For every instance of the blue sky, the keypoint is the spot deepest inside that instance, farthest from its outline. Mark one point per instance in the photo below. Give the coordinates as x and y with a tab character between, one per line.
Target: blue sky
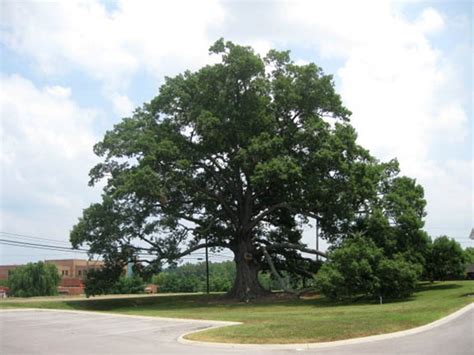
69	71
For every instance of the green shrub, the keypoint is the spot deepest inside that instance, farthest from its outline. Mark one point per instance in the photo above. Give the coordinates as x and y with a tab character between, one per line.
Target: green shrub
397	277
358	268
350	270
128	285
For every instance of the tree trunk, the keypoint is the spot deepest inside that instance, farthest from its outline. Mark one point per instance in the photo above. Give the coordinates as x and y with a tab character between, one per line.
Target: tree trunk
246	284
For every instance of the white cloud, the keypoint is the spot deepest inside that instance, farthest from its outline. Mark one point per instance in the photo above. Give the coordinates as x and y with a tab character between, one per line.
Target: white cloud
160	38
123	106
110	46
46	152
430	21
59	91
451	122
449	191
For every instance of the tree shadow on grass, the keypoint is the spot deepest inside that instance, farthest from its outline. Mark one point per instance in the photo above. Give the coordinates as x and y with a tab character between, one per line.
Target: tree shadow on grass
168	302
183	302
433	286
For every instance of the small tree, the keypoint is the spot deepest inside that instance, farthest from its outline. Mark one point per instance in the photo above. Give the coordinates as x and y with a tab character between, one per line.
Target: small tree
100	283
350	270
359	268
34	279
128	285
397	277
445	260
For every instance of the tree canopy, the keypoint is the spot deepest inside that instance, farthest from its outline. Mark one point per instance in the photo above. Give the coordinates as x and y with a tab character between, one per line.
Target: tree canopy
240	155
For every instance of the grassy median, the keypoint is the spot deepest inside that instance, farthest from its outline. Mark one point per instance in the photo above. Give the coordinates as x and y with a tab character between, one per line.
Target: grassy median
286	321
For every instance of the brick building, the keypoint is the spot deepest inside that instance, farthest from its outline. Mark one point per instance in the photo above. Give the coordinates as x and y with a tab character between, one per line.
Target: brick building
72	272
5	271
74	268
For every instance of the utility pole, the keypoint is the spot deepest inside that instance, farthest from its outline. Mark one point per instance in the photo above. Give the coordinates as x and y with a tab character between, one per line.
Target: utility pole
317	238
207	269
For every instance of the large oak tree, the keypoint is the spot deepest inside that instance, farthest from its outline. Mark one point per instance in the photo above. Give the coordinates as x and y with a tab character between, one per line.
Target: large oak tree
237	155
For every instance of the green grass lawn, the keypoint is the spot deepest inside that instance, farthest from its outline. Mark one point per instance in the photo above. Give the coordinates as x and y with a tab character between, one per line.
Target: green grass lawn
283	320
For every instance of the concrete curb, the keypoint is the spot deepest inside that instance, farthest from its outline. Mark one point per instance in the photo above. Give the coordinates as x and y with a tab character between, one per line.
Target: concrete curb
330	344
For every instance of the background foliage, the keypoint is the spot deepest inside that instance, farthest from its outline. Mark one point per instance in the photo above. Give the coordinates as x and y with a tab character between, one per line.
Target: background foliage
446	260
192	278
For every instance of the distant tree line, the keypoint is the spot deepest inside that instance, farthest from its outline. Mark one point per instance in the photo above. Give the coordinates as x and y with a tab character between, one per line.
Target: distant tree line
191	277
357	267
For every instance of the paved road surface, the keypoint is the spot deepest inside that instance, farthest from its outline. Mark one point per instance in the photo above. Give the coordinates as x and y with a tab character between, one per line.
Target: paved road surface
44	332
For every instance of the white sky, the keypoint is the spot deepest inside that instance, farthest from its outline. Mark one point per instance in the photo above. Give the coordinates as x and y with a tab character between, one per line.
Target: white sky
69	71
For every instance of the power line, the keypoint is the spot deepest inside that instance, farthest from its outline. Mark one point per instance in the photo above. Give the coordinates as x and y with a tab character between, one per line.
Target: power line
67	243
28	245
33	237
72	250
43	245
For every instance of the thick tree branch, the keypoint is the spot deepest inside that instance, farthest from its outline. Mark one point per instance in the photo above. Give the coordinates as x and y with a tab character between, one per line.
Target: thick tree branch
232	215
265	213
299	247
200	246
141	237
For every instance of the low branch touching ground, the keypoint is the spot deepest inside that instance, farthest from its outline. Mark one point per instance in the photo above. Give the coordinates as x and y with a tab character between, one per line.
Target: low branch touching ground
275	273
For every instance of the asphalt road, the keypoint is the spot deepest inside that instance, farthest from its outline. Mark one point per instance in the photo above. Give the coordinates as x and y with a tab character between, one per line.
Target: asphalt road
44	332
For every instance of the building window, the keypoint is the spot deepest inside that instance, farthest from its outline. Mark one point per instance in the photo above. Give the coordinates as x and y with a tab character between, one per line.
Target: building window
79	272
